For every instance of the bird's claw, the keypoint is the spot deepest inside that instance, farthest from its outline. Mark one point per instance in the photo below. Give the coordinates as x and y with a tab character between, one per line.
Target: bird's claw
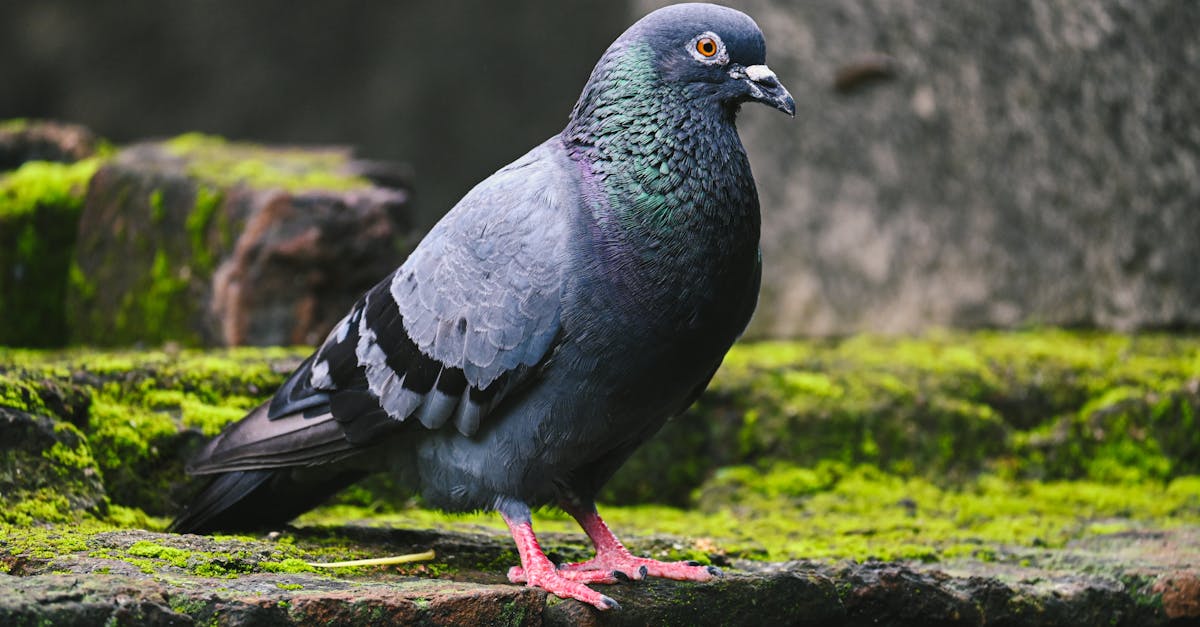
640	567
569	584
516	574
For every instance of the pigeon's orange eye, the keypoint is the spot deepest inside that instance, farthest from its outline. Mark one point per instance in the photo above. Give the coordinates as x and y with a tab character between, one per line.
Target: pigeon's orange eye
706	47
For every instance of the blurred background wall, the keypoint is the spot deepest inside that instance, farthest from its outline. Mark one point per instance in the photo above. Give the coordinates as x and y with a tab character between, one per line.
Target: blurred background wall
454	89
952	164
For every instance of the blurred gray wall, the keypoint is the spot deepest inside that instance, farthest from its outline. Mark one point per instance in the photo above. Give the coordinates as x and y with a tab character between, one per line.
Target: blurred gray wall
1028	162
1022	161
456	89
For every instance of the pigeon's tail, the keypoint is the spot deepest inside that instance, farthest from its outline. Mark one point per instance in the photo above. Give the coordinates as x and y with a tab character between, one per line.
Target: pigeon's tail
264	471
249	500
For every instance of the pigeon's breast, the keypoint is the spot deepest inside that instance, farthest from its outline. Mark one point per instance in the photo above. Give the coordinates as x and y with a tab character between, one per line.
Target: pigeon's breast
673	294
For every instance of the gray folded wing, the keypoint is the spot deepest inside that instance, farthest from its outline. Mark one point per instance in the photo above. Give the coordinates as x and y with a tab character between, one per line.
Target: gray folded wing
463	322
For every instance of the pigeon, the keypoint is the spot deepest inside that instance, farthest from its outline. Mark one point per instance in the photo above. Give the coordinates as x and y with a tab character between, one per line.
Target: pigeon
551	322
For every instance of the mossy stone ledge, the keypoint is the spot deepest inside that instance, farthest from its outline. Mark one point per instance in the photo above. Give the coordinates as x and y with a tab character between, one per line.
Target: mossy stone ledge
812	472
201	241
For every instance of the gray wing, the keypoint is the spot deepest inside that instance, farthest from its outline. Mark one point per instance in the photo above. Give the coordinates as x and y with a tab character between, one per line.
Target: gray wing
462	323
484	295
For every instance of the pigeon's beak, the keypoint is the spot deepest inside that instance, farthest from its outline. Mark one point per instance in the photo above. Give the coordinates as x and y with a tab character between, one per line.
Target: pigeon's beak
765	87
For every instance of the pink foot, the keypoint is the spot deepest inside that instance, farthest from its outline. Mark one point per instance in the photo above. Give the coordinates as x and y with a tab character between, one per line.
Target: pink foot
516	574
640	567
538	571
612	556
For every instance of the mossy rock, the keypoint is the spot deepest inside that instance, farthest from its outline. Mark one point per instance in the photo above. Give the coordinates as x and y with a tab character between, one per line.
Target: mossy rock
40	204
142	413
1013	533
1038	405
47	472
1035	404
45	168
149	243
201	241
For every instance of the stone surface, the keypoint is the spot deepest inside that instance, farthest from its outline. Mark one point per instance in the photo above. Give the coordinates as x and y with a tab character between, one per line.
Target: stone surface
92	585
69	419
42	140
994	164
211	243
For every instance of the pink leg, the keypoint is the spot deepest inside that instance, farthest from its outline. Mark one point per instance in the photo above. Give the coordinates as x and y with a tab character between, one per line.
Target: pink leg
611	555
537	570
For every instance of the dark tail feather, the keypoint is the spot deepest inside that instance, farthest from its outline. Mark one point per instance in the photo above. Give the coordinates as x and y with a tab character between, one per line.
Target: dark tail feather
251	500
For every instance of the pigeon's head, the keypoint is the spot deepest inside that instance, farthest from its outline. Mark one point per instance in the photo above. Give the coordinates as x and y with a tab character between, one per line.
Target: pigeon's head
712	55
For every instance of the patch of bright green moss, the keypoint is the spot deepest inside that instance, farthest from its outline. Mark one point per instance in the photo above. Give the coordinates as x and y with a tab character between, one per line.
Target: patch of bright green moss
145	411
40	203
840	512
157	210
289	565
1097	436
45	184
161	317
70	458
218	557
19	393
44	505
224	164
208	201
1044	404
174	556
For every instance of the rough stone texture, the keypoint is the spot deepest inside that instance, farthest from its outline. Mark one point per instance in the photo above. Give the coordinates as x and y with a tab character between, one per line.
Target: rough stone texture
302	261
174	246
1026	163
38	140
1024	589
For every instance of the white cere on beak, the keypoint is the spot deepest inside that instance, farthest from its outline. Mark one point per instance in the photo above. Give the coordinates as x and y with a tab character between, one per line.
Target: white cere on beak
761	74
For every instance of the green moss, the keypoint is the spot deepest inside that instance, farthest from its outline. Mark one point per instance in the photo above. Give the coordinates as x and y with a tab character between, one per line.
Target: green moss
70	458
289	565
941	447
1043	404
224	164
839	512
157	210
208	201
172	555
45	505
13	125
162	317
79	282
40	203
18	393
210	419
141	412
45	184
